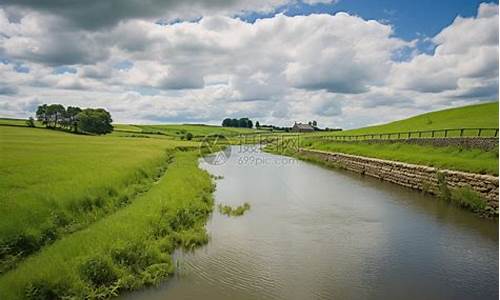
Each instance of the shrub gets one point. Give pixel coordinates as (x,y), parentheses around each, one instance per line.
(155,273)
(98,271)
(45,290)
(465,197)
(30,122)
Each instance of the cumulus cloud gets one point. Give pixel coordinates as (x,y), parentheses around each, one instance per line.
(465,57)
(336,69)
(93,14)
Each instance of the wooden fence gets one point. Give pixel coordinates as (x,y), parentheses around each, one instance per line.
(435,133)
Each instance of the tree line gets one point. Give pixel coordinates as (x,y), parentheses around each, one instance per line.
(75,119)
(239,123)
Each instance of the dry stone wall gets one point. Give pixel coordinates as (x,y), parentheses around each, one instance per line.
(413,176)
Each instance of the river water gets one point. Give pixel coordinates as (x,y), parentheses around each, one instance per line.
(317,233)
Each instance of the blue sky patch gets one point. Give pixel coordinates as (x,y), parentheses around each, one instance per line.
(64,70)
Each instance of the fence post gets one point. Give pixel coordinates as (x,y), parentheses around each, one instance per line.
(399,135)
(461,132)
(420,134)
(432,133)
(496,132)
(446,133)
(479,132)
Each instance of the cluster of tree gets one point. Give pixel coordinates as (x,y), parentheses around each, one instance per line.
(240,123)
(313,124)
(88,120)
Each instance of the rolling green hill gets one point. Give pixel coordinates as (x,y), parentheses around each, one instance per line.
(471,116)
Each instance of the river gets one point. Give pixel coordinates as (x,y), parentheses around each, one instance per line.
(317,233)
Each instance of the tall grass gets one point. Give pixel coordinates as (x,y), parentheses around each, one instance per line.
(126,250)
(54,183)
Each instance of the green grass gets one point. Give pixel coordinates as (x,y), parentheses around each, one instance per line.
(196,130)
(126,250)
(126,127)
(454,158)
(55,182)
(17,122)
(472,116)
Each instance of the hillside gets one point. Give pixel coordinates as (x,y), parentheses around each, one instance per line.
(478,115)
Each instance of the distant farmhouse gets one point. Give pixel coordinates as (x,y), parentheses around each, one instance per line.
(299,127)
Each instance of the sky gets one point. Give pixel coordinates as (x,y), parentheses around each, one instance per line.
(343,63)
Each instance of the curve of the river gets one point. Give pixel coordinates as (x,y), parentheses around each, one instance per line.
(316,233)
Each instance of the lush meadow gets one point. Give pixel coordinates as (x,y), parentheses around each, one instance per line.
(126,250)
(180,131)
(54,183)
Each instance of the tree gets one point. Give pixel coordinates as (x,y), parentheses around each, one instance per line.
(70,117)
(315,124)
(55,113)
(249,124)
(96,121)
(226,122)
(30,122)
(189,136)
(243,123)
(257,125)
(41,114)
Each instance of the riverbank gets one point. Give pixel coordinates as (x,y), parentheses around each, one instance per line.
(455,158)
(126,250)
(476,192)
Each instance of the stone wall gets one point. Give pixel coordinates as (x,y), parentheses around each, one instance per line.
(482,143)
(413,176)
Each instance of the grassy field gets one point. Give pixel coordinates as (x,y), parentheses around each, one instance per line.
(16,122)
(468,160)
(126,250)
(180,131)
(472,116)
(54,183)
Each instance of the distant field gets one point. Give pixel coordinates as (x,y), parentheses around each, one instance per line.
(472,116)
(16,122)
(55,182)
(196,130)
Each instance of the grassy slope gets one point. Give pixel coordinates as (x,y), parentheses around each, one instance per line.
(468,160)
(184,188)
(49,175)
(479,115)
